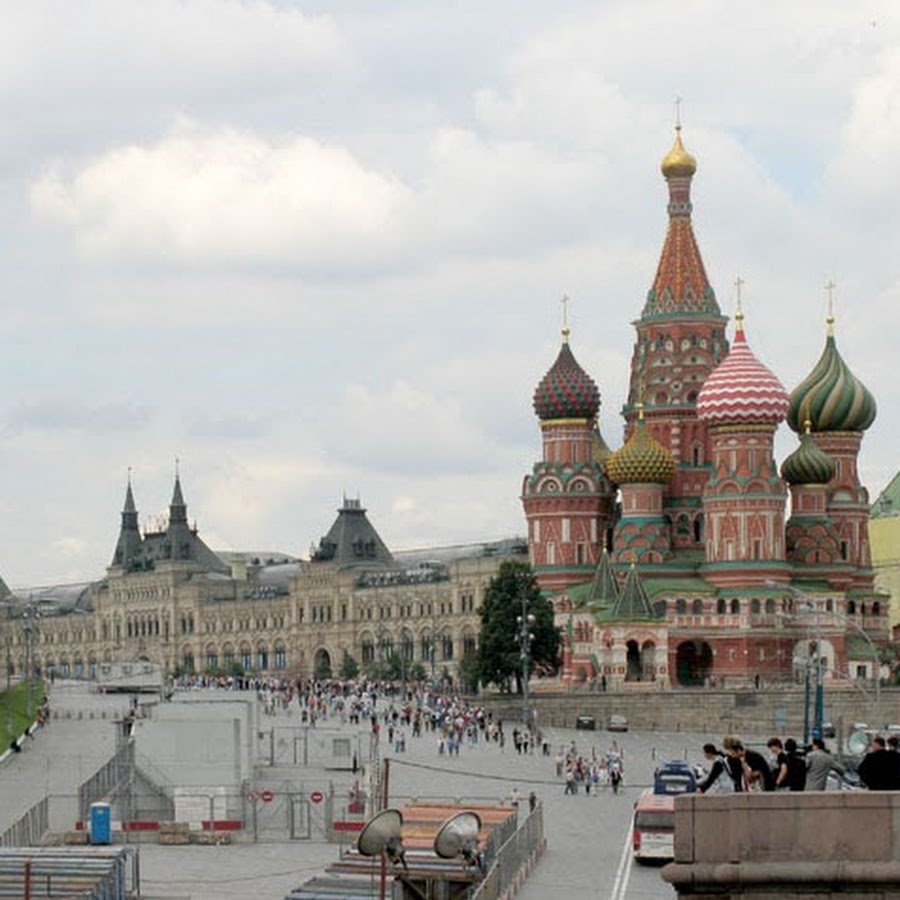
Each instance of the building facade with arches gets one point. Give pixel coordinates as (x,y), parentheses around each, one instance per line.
(168,598)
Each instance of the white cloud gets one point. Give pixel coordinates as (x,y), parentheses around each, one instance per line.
(322,253)
(199,198)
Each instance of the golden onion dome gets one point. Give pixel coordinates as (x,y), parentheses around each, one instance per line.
(642,459)
(678,161)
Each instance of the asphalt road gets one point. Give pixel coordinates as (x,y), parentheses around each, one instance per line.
(589,836)
(588,852)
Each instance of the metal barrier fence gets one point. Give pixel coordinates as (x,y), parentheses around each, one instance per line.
(28,831)
(508,865)
(110,781)
(86,873)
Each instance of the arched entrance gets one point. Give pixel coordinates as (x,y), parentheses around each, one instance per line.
(632,661)
(693,663)
(322,664)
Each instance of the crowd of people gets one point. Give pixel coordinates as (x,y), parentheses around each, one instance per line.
(786,766)
(591,771)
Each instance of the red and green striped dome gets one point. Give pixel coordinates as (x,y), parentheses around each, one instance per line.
(566,391)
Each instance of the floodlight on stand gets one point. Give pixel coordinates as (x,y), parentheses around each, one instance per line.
(458,838)
(381,834)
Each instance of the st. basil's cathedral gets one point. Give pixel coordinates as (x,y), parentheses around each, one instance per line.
(676,560)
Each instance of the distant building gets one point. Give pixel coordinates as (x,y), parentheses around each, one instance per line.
(672,560)
(169,599)
(884,530)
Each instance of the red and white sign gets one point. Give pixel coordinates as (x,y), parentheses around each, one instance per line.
(266,796)
(317,796)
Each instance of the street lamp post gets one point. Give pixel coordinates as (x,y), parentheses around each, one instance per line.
(525,637)
(810,606)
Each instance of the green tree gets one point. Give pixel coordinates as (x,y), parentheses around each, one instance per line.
(469,672)
(322,667)
(499,654)
(349,667)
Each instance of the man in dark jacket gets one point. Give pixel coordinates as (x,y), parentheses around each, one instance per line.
(760,776)
(880,768)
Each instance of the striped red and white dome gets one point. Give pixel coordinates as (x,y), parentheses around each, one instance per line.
(741,390)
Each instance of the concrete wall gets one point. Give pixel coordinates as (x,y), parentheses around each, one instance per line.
(782,846)
(713,711)
(200,742)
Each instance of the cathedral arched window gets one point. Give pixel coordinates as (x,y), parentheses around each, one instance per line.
(721,606)
(876,608)
(755,606)
(680,606)
(735,606)
(770,605)
(697,607)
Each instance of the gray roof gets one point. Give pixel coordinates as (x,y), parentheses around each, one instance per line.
(352,542)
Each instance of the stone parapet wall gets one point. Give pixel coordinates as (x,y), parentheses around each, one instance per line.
(714,711)
(787,845)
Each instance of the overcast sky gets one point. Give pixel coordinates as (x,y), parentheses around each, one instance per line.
(317,249)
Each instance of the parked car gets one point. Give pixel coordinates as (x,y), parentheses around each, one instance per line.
(674,777)
(617,723)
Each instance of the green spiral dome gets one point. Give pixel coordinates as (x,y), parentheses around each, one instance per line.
(808,464)
(831,397)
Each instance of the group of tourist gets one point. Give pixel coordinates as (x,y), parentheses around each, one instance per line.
(591,771)
(737,768)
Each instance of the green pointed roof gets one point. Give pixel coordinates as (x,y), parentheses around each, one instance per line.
(633,602)
(604,588)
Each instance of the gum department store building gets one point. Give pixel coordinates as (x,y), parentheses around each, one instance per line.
(672,560)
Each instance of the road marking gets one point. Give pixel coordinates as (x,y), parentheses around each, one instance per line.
(623,872)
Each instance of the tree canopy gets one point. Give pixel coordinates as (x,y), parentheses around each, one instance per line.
(499,651)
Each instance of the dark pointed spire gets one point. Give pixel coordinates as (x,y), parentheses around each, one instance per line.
(177,508)
(604,588)
(128,546)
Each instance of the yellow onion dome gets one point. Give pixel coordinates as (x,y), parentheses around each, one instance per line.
(642,459)
(678,162)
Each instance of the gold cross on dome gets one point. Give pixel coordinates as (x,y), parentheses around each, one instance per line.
(829,290)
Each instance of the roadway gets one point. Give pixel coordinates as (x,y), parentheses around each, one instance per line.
(588,852)
(588,835)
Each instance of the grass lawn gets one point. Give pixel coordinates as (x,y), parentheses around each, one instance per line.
(13,705)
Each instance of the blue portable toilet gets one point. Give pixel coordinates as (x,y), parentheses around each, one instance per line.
(101,823)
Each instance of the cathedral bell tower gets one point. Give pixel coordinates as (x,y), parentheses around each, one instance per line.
(680,340)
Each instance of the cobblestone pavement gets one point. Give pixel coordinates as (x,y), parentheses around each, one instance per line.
(586,833)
